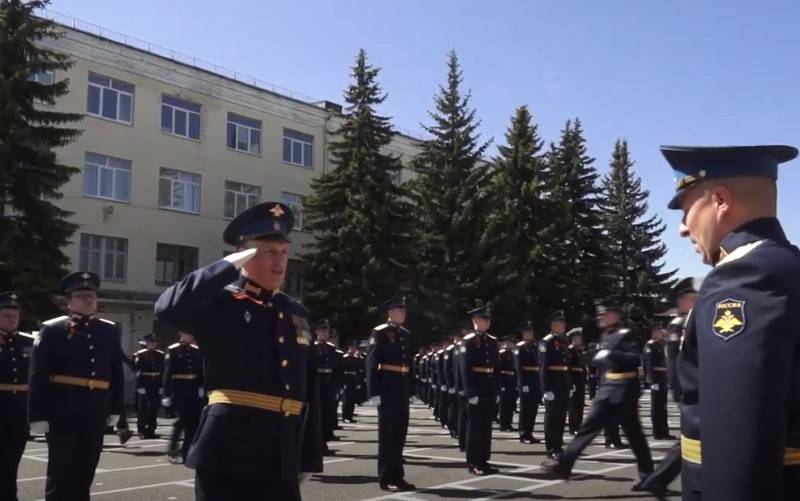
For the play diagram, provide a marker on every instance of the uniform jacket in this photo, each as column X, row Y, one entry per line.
column 391, row 345
column 479, row 365
column 526, row 357
column 554, row 365
column 15, row 357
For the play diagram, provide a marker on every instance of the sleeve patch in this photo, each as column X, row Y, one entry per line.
column 729, row 318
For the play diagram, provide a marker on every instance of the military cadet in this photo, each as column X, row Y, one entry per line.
column 685, row 295
column 526, row 367
column 461, row 399
column 577, row 367
column 148, row 363
column 417, row 370
column 260, row 433
column 15, row 353
column 450, row 382
column 655, row 368
column 183, row 391
column 433, row 375
column 554, row 373
column 609, row 317
column 617, row 401
column 508, row 386
column 352, row 370
column 592, row 378
column 745, row 322
column 480, row 373
column 327, row 367
column 388, row 384
column 75, row 388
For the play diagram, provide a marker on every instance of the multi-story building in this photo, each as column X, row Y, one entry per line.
column 172, row 149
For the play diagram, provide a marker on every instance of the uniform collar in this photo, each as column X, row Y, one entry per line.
column 254, row 290
column 758, row 229
column 80, row 318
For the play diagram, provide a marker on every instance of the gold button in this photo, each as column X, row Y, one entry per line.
column 280, row 339
column 284, row 363
column 287, row 387
column 280, row 314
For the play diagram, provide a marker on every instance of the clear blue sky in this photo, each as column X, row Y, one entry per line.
column 652, row 72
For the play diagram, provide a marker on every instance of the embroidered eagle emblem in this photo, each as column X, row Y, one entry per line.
column 729, row 318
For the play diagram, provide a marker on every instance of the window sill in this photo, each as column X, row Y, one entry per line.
column 185, row 138
column 257, row 155
column 106, row 199
column 301, row 166
column 112, row 120
column 179, row 211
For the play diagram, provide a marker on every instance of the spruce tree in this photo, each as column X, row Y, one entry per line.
column 517, row 225
column 451, row 194
column 574, row 273
column 359, row 217
column 33, row 229
column 632, row 238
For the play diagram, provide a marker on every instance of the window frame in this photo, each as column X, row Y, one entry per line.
column 236, row 193
column 171, row 206
column 184, row 106
column 303, row 143
column 110, row 86
column 231, row 121
column 299, row 216
column 175, row 247
column 115, row 171
column 103, row 253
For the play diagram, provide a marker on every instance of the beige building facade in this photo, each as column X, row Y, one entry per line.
column 169, row 154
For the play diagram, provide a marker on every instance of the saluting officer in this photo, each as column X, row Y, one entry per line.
column 184, row 392
column 76, row 388
column 15, row 353
column 261, row 428
column 352, row 371
column 389, row 385
column 746, row 322
column 508, row 385
column 526, row 365
column 148, row 363
column 617, row 401
column 554, row 373
column 577, row 367
column 327, row 368
column 480, row 373
column 655, row 369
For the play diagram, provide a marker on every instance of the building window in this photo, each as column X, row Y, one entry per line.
column 180, row 118
column 298, row 148
column 44, row 77
column 179, row 190
column 106, row 256
column 244, row 134
column 295, row 202
column 173, row 262
column 295, row 282
column 109, row 98
column 107, row 177
column 239, row 197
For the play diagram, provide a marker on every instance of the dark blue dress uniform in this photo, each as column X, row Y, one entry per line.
column 554, row 373
column 461, row 400
column 508, row 389
column 448, row 370
column 745, row 325
column 441, row 380
column 183, row 384
column 353, row 374
column 262, row 425
column 526, row 362
column 655, row 368
column 149, row 368
column 76, row 382
column 577, row 368
column 15, row 353
column 617, row 401
column 388, row 360
column 327, row 374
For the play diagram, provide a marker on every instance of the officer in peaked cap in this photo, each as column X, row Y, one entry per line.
column 76, row 387
column 684, row 295
column 577, row 369
column 526, row 364
column 480, row 373
column 654, row 361
column 508, row 384
column 555, row 378
column 389, row 386
column 184, row 392
column 148, row 364
column 261, row 429
column 741, row 391
column 15, row 352
column 353, row 371
column 328, row 376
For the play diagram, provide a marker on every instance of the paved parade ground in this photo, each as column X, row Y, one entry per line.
column 140, row 470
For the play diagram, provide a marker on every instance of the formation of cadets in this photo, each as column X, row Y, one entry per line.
column 256, row 386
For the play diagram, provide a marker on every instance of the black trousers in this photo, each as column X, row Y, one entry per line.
column 147, row 408
column 328, row 405
column 73, row 448
column 479, row 431
column 668, row 470
column 611, row 433
column 555, row 416
column 658, row 411
column 188, row 418
column 349, row 401
column 462, row 423
column 528, row 409
column 601, row 413
column 452, row 414
column 576, row 405
column 392, row 430
column 210, row 486
column 13, row 437
column 507, row 400
column 444, row 403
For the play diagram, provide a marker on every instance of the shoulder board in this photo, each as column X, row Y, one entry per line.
column 160, row 351
column 548, row 337
column 469, row 336
column 440, row 352
column 330, row 344
column 194, row 346
column 233, row 288
column 107, row 321
column 521, row 343
column 141, row 351
column 739, row 252
column 347, row 355
column 491, row 337
column 25, row 335
column 450, row 347
column 651, row 341
column 174, row 345
column 54, row 321
column 381, row 327
column 404, row 329
column 503, row 350
column 340, row 352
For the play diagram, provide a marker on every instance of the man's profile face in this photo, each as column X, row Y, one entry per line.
column 700, row 222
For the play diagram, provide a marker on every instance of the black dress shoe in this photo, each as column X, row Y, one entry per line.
column 490, row 470
column 390, row 486
column 478, row 471
column 405, row 486
column 124, row 435
column 554, row 467
column 658, row 491
column 526, row 440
